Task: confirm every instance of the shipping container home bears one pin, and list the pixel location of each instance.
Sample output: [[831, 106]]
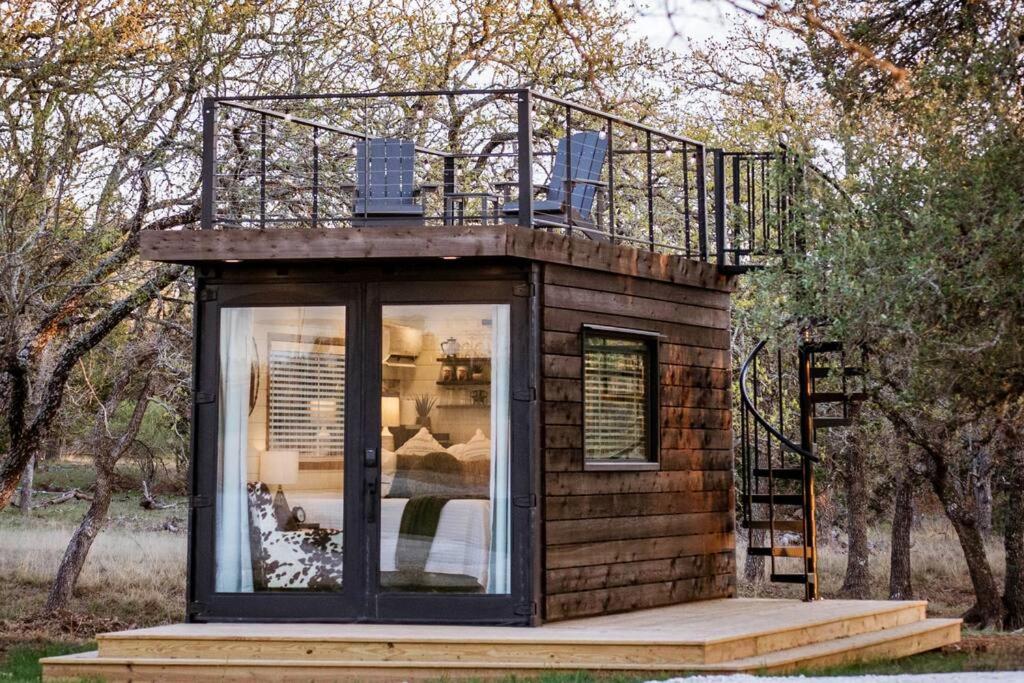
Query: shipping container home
[[463, 359]]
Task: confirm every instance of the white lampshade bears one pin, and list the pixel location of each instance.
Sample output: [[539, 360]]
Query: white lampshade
[[279, 467], [390, 411]]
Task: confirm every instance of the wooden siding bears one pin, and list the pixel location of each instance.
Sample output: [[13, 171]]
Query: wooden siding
[[617, 541]]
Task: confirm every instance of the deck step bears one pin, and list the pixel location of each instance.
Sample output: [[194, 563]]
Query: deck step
[[781, 551], [790, 473], [796, 526], [778, 499], [898, 640], [828, 422]]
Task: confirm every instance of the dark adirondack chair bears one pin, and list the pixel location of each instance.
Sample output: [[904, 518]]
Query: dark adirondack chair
[[565, 198], [384, 189]]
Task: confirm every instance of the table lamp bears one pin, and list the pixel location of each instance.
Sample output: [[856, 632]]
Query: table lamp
[[280, 467], [390, 414]]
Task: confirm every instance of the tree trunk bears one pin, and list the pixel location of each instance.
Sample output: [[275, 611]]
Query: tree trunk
[[987, 609], [81, 542], [900, 587], [1013, 542], [981, 476], [27, 481], [857, 583], [108, 454]]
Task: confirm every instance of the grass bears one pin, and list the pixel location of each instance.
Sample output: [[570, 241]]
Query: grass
[[939, 572], [134, 575], [22, 663]]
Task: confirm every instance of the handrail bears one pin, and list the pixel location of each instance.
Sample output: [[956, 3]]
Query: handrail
[[749, 405]]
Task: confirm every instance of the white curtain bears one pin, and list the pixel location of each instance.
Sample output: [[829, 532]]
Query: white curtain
[[498, 576], [234, 564]]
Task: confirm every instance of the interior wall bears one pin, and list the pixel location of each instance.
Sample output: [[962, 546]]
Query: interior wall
[[453, 414], [616, 541]]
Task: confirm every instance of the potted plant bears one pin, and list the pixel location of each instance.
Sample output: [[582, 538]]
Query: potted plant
[[424, 404]]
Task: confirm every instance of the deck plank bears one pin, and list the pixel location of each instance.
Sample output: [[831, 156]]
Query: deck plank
[[715, 635]]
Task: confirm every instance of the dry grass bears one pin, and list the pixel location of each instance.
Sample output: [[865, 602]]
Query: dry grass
[[938, 570], [135, 575]]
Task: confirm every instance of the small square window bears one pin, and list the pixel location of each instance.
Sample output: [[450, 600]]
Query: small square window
[[620, 399]]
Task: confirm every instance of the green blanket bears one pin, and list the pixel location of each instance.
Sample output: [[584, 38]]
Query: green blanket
[[416, 531]]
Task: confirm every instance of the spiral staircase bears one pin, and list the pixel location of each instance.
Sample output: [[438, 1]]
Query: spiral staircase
[[786, 398]]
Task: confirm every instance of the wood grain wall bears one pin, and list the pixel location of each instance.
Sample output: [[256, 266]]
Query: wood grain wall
[[618, 541]]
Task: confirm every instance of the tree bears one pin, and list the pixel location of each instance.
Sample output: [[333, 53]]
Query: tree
[[99, 133], [919, 129]]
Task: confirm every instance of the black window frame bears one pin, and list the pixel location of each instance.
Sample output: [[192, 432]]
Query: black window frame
[[651, 341]]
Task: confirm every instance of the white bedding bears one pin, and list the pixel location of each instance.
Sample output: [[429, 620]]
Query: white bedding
[[461, 545]]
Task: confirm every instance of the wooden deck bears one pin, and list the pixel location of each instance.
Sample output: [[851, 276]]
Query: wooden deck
[[714, 636]]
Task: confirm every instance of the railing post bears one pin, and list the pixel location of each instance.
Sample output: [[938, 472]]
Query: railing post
[[209, 170], [449, 185], [524, 141], [569, 184], [702, 221], [807, 444], [316, 178], [263, 171], [650, 193], [719, 171], [611, 181]]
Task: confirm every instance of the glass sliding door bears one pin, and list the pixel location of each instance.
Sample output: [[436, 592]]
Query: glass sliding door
[[445, 444], [279, 517]]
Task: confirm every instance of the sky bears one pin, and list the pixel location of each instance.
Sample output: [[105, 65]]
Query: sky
[[691, 20]]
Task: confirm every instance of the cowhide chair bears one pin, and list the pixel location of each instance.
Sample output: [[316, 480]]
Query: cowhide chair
[[309, 559]]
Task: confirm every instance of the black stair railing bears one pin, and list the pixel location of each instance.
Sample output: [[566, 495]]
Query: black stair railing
[[780, 394], [753, 209], [777, 471]]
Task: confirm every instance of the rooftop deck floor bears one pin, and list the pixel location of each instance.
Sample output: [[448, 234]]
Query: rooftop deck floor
[[718, 635], [206, 247]]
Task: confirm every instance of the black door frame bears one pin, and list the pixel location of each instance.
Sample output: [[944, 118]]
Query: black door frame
[[207, 604], [517, 607], [360, 598]]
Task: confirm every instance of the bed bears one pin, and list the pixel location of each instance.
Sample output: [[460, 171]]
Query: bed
[[461, 545]]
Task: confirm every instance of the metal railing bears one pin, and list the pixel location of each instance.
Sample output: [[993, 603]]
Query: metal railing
[[481, 157], [754, 203]]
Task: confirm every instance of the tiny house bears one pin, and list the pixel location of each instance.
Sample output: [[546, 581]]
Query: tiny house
[[462, 362], [475, 384]]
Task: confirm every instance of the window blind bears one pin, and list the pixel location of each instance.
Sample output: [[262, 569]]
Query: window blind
[[306, 407], [615, 399]]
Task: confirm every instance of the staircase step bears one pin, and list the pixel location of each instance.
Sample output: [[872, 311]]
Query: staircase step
[[781, 551], [824, 347], [792, 578], [838, 397], [778, 499], [796, 526], [790, 473], [828, 422], [819, 373]]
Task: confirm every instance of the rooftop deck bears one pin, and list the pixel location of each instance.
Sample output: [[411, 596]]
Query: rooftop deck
[[448, 159], [714, 636]]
